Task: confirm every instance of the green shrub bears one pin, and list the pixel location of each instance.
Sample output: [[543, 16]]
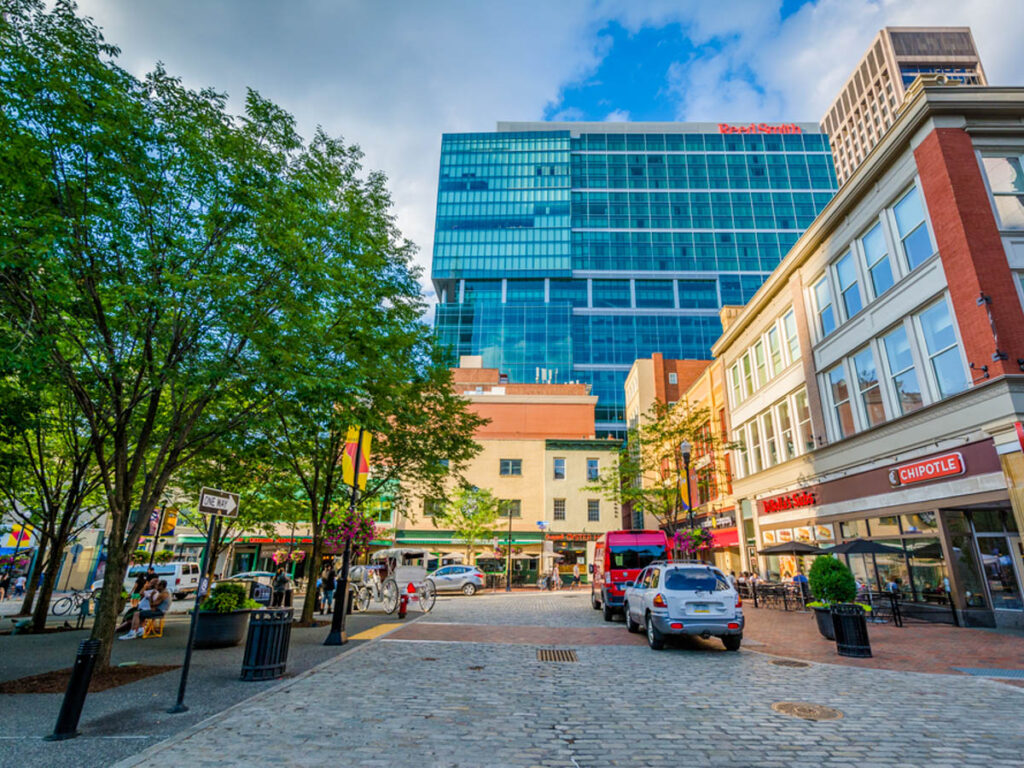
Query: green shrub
[[831, 581], [228, 597]]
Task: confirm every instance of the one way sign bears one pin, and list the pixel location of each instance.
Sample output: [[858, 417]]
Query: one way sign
[[214, 502]]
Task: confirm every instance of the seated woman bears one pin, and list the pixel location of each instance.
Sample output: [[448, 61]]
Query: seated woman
[[159, 603], [145, 592]]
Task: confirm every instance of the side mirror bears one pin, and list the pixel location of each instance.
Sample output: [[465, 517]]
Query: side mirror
[[590, 568], [629, 584]]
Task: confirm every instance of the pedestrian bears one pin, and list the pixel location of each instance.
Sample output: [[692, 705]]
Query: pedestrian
[[575, 575], [280, 586], [556, 579], [319, 595], [5, 585], [329, 583], [801, 581], [19, 585], [732, 579]]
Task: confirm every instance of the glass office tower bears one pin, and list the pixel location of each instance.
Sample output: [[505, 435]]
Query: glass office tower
[[565, 251]]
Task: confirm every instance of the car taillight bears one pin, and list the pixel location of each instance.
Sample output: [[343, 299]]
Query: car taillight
[[659, 601], [676, 625], [739, 601], [734, 626]]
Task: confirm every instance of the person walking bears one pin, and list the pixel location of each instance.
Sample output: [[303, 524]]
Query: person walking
[[19, 585], [5, 586], [556, 579], [575, 575], [329, 584], [280, 586]]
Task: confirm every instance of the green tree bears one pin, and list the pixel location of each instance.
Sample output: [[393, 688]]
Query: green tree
[[471, 514], [648, 473]]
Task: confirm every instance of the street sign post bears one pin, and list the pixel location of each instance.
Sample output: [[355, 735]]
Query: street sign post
[[216, 504]]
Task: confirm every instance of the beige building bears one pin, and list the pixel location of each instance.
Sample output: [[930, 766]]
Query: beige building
[[869, 100]]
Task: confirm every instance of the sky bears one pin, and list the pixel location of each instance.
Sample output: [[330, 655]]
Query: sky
[[393, 75]]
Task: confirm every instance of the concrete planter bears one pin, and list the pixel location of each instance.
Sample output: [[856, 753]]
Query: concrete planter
[[221, 630]]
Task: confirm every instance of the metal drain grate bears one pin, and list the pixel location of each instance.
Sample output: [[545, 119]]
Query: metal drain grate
[[806, 711], [789, 663], [999, 674], [556, 654]]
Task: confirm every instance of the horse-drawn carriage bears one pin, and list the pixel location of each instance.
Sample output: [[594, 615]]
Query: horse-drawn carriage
[[392, 573]]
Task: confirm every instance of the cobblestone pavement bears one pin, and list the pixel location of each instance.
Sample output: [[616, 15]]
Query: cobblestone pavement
[[472, 704]]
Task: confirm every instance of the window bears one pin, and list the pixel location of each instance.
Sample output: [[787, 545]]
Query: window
[[771, 448], [823, 306], [1006, 180], [774, 351], [942, 348], [673, 379], [431, 507], [741, 453], [559, 509], [559, 469], [748, 375], [846, 275], [917, 244], [877, 260], [593, 469], [734, 382], [755, 448], [839, 392], [510, 508], [759, 362], [511, 467], [593, 510], [792, 342], [788, 447], [867, 386], [901, 371]]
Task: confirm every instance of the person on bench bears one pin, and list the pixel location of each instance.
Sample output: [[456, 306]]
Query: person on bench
[[159, 603]]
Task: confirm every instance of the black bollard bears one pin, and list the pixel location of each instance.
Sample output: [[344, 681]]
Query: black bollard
[[78, 687]]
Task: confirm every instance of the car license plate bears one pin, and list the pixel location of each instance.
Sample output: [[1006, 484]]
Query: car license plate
[[701, 608]]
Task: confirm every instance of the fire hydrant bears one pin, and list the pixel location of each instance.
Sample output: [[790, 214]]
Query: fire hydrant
[[403, 605]]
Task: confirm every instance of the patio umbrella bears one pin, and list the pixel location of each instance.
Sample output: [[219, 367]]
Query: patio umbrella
[[791, 548], [863, 547]]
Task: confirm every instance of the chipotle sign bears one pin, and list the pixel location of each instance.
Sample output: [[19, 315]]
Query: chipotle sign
[[937, 467], [789, 501]]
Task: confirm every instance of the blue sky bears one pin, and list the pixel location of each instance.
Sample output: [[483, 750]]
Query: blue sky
[[393, 76]]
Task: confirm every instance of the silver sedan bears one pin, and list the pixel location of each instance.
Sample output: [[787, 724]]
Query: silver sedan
[[458, 578]]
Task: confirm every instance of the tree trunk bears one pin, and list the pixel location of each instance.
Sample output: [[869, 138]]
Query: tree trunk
[[309, 604], [33, 578], [46, 592], [109, 607]]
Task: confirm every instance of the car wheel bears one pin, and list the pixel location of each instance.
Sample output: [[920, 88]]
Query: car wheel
[[469, 589], [180, 595], [654, 638], [631, 625], [594, 602], [609, 614], [732, 642]]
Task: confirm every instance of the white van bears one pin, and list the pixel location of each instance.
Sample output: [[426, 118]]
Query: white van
[[182, 577]]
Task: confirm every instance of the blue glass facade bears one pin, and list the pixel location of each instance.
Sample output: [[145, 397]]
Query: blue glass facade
[[566, 251]]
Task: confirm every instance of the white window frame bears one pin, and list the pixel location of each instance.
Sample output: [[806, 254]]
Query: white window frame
[[760, 366], [832, 406], [896, 267], [554, 468], [855, 285], [932, 382], [555, 511], [673, 378], [787, 347], [890, 217], [860, 407], [1019, 154], [781, 436], [818, 311], [908, 326], [767, 420]]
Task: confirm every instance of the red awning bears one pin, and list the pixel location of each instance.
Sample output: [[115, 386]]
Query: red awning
[[727, 537]]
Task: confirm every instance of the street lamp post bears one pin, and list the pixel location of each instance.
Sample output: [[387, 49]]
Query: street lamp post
[[684, 448], [508, 554]]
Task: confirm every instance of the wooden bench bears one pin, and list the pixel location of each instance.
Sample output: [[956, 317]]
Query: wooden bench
[[153, 628]]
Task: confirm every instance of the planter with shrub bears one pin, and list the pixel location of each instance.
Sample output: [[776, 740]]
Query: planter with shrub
[[224, 617], [831, 582]]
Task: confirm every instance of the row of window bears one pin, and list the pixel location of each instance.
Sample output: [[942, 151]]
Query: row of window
[[702, 142], [779, 433], [921, 363], [514, 508], [869, 269], [514, 467], [593, 510], [770, 355]]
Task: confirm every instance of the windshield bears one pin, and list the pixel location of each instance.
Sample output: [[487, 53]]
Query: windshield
[[636, 556], [695, 579], [161, 570]]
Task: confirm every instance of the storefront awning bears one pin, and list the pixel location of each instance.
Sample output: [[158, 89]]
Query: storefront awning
[[728, 537]]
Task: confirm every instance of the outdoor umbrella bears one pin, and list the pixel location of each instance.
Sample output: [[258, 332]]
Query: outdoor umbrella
[[863, 547], [791, 548]]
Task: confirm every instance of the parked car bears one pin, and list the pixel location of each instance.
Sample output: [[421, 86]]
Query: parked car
[[618, 558], [182, 577], [467, 579], [684, 598], [259, 584]]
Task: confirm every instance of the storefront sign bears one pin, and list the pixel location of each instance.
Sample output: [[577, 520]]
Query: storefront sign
[[572, 536], [269, 540], [937, 467], [804, 534], [825, 532], [759, 128], [785, 535], [769, 538], [789, 501]]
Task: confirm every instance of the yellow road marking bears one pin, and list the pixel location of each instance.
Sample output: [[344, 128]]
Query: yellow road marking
[[377, 631]]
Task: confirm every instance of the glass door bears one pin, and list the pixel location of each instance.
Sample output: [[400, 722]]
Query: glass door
[[999, 561]]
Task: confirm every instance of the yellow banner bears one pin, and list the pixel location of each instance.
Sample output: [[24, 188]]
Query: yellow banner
[[20, 536], [348, 458], [170, 521]]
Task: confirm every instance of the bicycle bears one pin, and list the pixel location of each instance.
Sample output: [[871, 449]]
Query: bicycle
[[73, 602]]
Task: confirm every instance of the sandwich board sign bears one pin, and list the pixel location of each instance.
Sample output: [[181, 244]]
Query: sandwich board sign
[[215, 502]]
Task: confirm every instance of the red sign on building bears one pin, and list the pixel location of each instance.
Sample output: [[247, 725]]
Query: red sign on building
[[789, 501], [759, 128], [947, 465]]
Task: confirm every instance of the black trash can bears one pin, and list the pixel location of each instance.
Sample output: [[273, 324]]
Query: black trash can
[[266, 648], [851, 628]]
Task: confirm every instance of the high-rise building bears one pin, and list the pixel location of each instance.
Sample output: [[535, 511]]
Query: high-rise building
[[867, 104], [565, 251]]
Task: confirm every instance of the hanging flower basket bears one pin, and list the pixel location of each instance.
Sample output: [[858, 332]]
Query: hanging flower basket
[[690, 541], [349, 525]]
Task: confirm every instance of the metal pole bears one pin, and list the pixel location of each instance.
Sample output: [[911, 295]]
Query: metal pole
[[78, 688], [689, 502], [156, 533], [337, 635], [179, 705], [508, 553]]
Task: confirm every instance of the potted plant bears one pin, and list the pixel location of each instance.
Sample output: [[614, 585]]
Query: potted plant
[[831, 582], [224, 617]]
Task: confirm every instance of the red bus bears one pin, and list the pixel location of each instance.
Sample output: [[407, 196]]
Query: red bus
[[619, 556]]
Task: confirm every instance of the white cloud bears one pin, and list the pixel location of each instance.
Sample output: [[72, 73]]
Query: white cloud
[[617, 116]]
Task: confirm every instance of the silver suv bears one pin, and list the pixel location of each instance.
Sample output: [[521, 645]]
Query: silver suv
[[684, 598]]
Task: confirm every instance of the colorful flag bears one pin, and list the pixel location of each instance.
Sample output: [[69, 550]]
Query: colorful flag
[[20, 536], [348, 458], [170, 522]]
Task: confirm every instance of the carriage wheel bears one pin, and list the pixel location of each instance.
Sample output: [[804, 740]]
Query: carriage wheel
[[427, 596], [389, 593], [363, 599]]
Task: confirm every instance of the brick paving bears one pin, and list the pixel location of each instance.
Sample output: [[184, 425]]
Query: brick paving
[[449, 701]]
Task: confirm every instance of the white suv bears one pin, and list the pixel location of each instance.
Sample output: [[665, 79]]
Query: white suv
[[684, 598]]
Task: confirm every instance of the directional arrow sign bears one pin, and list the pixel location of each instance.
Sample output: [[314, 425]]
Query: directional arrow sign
[[214, 502]]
